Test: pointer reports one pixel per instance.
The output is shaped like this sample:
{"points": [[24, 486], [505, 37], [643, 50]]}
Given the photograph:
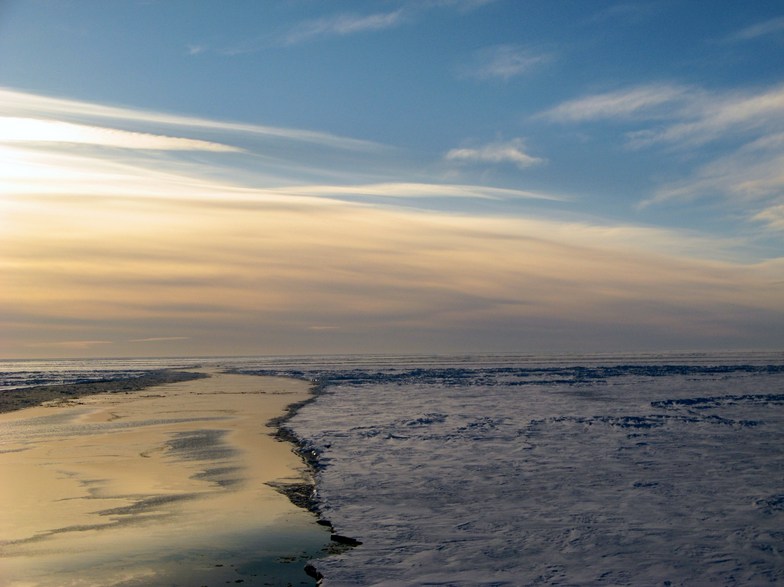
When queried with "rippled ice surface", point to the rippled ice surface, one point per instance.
{"points": [[644, 473]]}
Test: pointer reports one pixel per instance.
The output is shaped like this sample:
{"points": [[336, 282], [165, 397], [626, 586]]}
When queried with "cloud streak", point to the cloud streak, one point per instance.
{"points": [[500, 152], [746, 127], [752, 172], [160, 339], [761, 29], [709, 118], [503, 62], [641, 102], [346, 24], [687, 116], [342, 25], [418, 190], [31, 130], [194, 49], [69, 344], [15, 103]]}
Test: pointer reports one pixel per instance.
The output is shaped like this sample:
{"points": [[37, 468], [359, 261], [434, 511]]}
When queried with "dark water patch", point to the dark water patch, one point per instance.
{"points": [[200, 445], [148, 504], [276, 555], [225, 477], [144, 511]]}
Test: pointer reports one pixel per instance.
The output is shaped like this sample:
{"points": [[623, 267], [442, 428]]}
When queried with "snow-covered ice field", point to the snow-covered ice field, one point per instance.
{"points": [[646, 473]]}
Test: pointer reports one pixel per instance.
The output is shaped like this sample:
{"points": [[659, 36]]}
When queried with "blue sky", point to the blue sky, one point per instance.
{"points": [[497, 175]]}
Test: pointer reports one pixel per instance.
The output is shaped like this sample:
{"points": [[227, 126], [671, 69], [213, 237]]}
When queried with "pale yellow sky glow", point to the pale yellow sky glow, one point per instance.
{"points": [[116, 242], [30, 130]]}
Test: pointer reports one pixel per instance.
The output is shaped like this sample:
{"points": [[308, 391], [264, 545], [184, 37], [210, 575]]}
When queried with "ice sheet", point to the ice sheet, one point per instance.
{"points": [[630, 475]]}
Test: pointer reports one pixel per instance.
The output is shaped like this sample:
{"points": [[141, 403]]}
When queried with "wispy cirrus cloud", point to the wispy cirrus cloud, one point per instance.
{"points": [[343, 25], [747, 170], [772, 216], [462, 5], [705, 117], [17, 103], [499, 152], [68, 344], [752, 174], [773, 26], [194, 49], [646, 102], [681, 114], [502, 62], [418, 190], [160, 339], [741, 132], [629, 12]]}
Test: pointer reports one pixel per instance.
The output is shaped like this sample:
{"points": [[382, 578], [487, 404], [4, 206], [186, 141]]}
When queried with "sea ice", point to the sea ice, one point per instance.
{"points": [[622, 475]]}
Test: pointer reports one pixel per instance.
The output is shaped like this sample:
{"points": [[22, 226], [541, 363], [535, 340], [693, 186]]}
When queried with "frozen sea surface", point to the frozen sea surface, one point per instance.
{"points": [[485, 472]]}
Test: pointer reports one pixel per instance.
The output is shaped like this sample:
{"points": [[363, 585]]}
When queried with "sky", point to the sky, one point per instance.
{"points": [[186, 178]]}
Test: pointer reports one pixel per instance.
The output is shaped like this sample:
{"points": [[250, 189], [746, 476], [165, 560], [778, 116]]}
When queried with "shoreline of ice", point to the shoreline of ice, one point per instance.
{"points": [[619, 475]]}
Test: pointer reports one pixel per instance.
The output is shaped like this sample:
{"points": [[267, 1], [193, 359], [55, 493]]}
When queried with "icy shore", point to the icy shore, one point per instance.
{"points": [[608, 475]]}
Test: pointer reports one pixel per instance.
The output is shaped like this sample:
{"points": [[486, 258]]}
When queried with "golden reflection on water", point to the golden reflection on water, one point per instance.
{"points": [[168, 484]]}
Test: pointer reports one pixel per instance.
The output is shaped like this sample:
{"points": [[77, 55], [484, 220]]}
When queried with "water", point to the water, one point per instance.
{"points": [[168, 487], [655, 469]]}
